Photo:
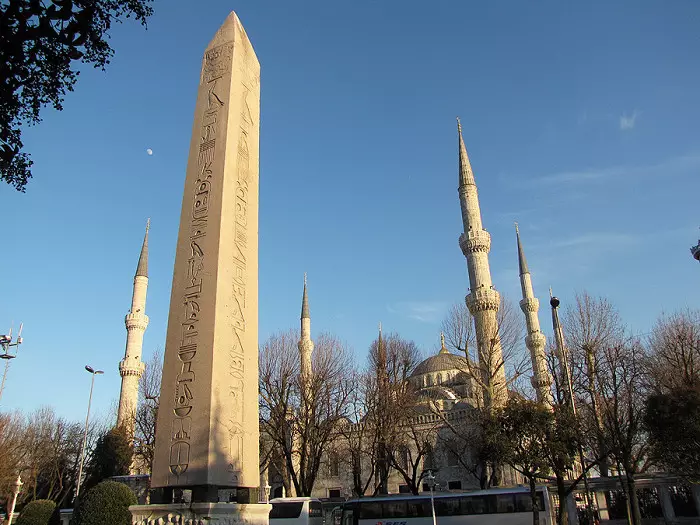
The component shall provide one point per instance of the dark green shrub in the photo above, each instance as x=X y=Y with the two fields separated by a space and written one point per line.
x=106 y=503
x=37 y=512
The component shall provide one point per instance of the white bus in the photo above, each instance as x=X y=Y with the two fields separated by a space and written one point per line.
x=296 y=511
x=507 y=506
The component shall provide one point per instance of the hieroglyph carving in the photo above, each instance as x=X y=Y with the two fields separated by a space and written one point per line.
x=216 y=64
x=240 y=265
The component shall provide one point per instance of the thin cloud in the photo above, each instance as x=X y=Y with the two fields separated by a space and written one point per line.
x=668 y=168
x=424 y=311
x=628 y=122
x=599 y=240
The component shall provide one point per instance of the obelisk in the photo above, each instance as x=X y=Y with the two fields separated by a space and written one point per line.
x=208 y=437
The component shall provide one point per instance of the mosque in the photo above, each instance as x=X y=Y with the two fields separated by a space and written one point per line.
x=440 y=380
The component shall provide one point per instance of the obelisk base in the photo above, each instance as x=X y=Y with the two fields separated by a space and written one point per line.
x=201 y=514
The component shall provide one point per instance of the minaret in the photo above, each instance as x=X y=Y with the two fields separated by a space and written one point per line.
x=131 y=367
x=535 y=339
x=561 y=352
x=483 y=300
x=305 y=345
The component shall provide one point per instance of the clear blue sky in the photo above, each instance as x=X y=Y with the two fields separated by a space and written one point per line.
x=581 y=122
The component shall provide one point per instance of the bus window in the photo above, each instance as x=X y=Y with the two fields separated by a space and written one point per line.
x=474 y=505
x=418 y=508
x=348 y=517
x=447 y=507
x=505 y=503
x=370 y=510
x=523 y=503
x=286 y=510
x=394 y=509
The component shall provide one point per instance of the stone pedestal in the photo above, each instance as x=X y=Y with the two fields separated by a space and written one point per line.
x=201 y=514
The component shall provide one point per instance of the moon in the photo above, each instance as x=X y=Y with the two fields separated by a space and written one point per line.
x=149 y=151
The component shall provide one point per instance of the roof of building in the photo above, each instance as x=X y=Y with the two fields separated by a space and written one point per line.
x=439 y=362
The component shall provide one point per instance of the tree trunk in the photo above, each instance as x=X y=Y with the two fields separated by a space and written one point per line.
x=563 y=516
x=634 y=500
x=535 y=502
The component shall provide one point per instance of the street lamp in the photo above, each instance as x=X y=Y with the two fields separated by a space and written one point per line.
x=430 y=480
x=87 y=419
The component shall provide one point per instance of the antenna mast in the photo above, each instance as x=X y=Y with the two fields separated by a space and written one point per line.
x=7 y=345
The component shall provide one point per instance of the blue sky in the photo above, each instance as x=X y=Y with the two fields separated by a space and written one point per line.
x=581 y=122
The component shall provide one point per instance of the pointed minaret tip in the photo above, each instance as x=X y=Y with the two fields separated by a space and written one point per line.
x=466 y=176
x=522 y=261
x=142 y=268
x=305 y=303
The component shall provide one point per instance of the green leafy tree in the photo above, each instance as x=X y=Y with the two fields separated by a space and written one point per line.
x=106 y=502
x=111 y=457
x=37 y=512
x=673 y=423
x=41 y=44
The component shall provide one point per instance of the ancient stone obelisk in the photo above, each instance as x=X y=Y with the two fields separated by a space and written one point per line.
x=207 y=439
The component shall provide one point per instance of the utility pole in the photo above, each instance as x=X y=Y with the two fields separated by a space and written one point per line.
x=6 y=344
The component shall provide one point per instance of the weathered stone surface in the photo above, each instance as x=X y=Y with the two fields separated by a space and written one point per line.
x=200 y=514
x=208 y=419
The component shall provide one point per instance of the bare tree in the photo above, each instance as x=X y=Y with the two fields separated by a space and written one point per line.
x=303 y=419
x=45 y=449
x=391 y=360
x=621 y=380
x=674 y=352
x=471 y=437
x=359 y=433
x=485 y=367
x=591 y=324
x=147 y=413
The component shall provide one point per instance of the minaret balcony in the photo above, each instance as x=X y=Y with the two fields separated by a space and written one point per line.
x=131 y=368
x=483 y=299
x=136 y=320
x=530 y=304
x=535 y=340
x=475 y=241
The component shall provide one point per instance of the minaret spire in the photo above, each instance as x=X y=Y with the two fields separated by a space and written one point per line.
x=483 y=300
x=131 y=368
x=535 y=339
x=466 y=175
x=142 y=267
x=305 y=345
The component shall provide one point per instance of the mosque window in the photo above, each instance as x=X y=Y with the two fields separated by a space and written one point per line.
x=333 y=464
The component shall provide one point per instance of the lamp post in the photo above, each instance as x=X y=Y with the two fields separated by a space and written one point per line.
x=87 y=420
x=430 y=480
x=695 y=250
x=18 y=487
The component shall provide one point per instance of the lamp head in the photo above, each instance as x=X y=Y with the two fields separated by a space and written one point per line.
x=89 y=369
